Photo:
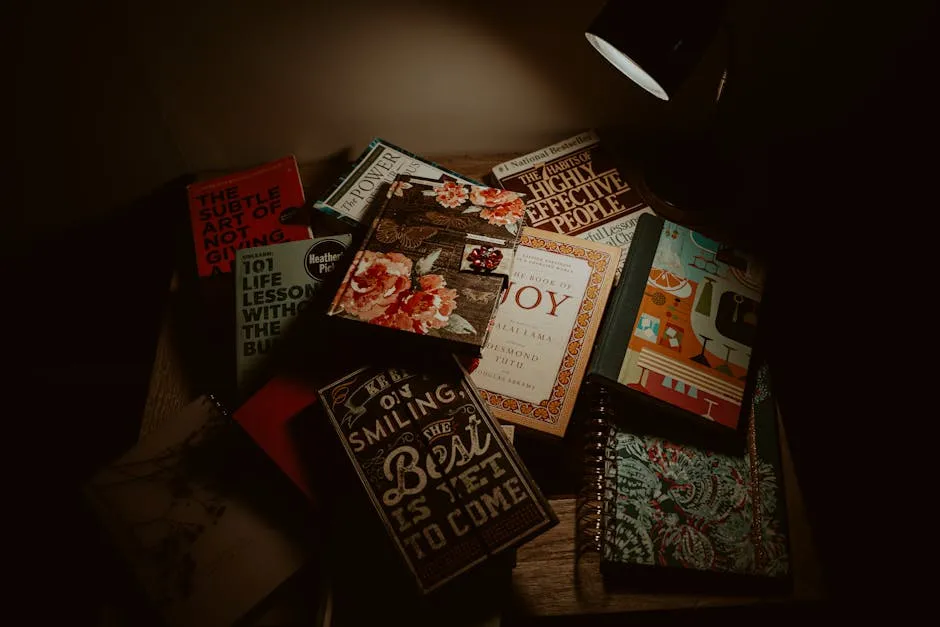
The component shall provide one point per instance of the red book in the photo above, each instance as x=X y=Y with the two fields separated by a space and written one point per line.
x=266 y=418
x=242 y=211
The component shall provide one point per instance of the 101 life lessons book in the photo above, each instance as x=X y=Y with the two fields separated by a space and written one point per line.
x=535 y=356
x=434 y=262
x=273 y=284
x=682 y=324
x=575 y=188
x=243 y=210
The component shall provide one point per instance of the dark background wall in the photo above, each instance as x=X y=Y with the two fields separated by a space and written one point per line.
x=114 y=98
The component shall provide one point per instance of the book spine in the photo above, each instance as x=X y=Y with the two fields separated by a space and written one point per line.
x=611 y=343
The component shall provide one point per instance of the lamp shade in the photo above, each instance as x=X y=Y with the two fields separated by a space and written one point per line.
x=656 y=43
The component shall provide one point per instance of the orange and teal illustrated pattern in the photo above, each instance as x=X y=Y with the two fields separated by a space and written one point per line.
x=694 y=331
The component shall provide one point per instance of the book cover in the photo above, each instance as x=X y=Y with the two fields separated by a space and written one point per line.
x=575 y=188
x=199 y=519
x=434 y=261
x=678 y=506
x=243 y=210
x=448 y=487
x=534 y=359
x=683 y=323
x=273 y=284
x=351 y=198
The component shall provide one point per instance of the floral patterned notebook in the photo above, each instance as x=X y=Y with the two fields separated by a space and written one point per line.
x=435 y=260
x=678 y=506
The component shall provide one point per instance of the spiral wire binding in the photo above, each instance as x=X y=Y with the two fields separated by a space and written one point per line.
x=219 y=405
x=590 y=504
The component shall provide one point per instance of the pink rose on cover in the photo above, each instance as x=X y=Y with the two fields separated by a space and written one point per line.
x=377 y=282
x=450 y=194
x=505 y=214
x=491 y=197
x=427 y=308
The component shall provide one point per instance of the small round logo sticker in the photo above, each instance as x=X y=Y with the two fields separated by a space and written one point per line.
x=322 y=258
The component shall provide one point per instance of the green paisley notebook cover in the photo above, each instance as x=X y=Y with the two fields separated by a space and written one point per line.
x=677 y=506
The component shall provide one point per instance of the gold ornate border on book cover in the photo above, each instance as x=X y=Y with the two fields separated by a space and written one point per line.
x=552 y=414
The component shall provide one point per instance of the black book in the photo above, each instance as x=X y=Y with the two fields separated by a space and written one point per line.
x=445 y=482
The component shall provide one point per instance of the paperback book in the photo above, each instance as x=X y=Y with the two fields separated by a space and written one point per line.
x=243 y=210
x=575 y=188
x=381 y=162
x=273 y=284
x=534 y=360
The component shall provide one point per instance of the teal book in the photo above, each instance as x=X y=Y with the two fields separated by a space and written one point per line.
x=273 y=285
x=676 y=507
x=681 y=327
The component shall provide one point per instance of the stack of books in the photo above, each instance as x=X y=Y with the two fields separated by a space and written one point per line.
x=383 y=360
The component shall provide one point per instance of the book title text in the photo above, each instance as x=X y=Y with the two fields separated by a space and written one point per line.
x=568 y=196
x=265 y=302
x=227 y=217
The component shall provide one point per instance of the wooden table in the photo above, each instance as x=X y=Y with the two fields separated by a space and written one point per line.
x=544 y=577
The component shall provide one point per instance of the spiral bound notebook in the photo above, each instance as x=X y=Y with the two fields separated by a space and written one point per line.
x=649 y=505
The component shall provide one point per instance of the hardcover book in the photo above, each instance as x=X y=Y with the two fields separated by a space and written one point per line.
x=675 y=506
x=575 y=188
x=434 y=261
x=273 y=284
x=243 y=210
x=192 y=501
x=380 y=163
x=683 y=324
x=448 y=487
x=535 y=356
